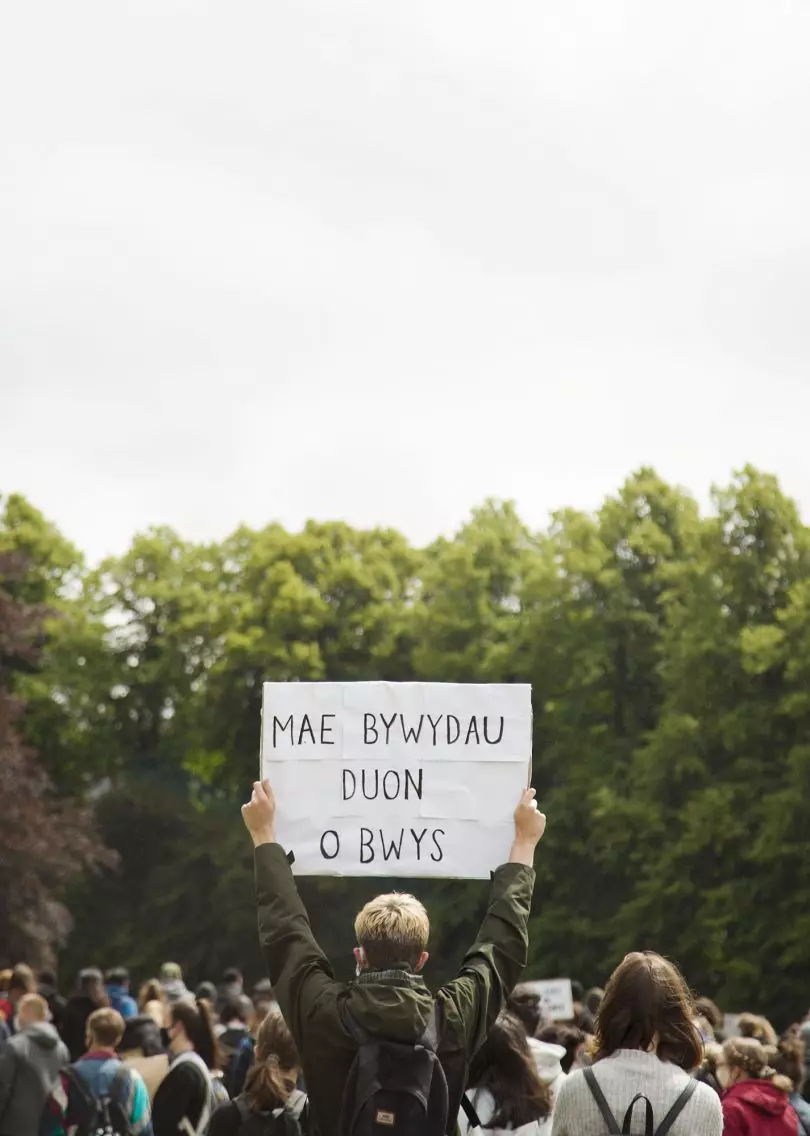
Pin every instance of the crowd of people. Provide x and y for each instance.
(382, 1054)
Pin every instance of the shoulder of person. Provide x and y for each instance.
(226, 1119)
(707, 1100)
(572, 1084)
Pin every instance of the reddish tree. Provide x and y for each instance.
(44, 841)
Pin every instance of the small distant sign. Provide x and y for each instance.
(556, 997)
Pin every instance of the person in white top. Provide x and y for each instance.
(525, 1005)
(646, 1046)
(506, 1092)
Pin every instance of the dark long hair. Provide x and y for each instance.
(504, 1066)
(90, 984)
(647, 999)
(196, 1021)
(274, 1076)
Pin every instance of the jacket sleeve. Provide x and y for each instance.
(735, 1122)
(296, 965)
(493, 964)
(140, 1114)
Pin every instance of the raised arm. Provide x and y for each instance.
(494, 963)
(296, 965)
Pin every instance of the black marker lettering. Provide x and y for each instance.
(435, 725)
(306, 725)
(418, 840)
(453, 718)
(348, 773)
(472, 729)
(388, 726)
(326, 730)
(410, 734)
(495, 741)
(283, 726)
(417, 785)
(433, 855)
(394, 849)
(366, 837)
(390, 796)
(324, 853)
(376, 793)
(370, 727)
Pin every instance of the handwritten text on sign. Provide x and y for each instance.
(407, 779)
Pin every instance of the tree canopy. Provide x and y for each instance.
(669, 656)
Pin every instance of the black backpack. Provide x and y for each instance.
(394, 1089)
(287, 1121)
(101, 1116)
(649, 1122)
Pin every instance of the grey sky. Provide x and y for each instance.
(380, 260)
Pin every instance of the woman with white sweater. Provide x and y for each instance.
(646, 1047)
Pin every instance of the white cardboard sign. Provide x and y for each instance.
(556, 996)
(396, 779)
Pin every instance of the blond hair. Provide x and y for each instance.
(34, 1007)
(750, 1057)
(106, 1028)
(392, 929)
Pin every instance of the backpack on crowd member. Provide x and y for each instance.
(102, 1115)
(394, 1088)
(649, 1121)
(288, 1120)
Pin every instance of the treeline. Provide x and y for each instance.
(669, 656)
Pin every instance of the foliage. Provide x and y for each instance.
(44, 841)
(669, 656)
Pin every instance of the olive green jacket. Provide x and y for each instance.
(395, 1005)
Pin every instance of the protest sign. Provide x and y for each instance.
(556, 996)
(396, 779)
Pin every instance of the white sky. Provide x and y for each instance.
(380, 260)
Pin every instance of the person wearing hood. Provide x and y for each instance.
(390, 999)
(755, 1101)
(175, 989)
(30, 1064)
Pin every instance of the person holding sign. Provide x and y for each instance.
(389, 1008)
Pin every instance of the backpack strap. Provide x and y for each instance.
(677, 1108)
(602, 1104)
(468, 1108)
(242, 1106)
(80, 1085)
(649, 1120)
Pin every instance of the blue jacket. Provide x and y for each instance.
(123, 1002)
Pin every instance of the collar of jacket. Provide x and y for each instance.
(395, 976)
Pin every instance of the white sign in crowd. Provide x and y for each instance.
(396, 779)
(556, 997)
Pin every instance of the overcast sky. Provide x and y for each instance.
(380, 260)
